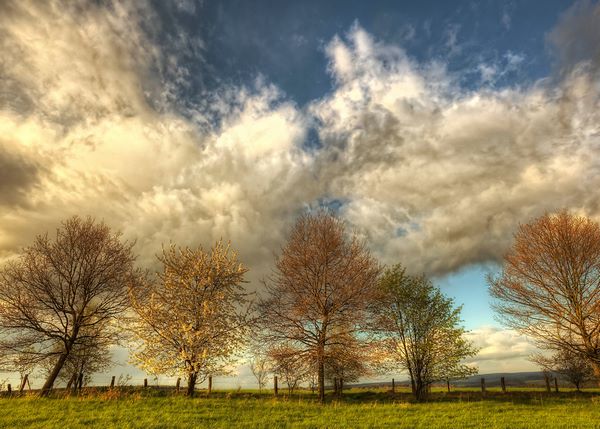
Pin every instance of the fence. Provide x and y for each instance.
(77, 383)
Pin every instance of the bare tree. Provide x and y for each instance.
(261, 365)
(60, 293)
(319, 291)
(420, 330)
(572, 366)
(87, 358)
(549, 288)
(194, 316)
(25, 366)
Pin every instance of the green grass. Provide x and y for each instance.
(358, 409)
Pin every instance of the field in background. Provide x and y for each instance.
(361, 408)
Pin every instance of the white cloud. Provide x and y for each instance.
(92, 140)
(406, 145)
(501, 350)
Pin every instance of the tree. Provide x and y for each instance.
(549, 288)
(319, 290)
(83, 361)
(572, 366)
(194, 315)
(291, 366)
(261, 365)
(60, 294)
(420, 330)
(86, 359)
(346, 364)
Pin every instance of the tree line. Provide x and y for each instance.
(329, 311)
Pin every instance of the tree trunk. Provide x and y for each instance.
(191, 384)
(80, 382)
(70, 383)
(321, 376)
(47, 387)
(420, 391)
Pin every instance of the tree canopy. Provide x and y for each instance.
(194, 315)
(318, 295)
(60, 295)
(549, 288)
(419, 330)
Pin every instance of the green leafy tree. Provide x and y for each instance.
(419, 330)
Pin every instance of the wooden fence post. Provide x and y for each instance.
(177, 384)
(9, 389)
(503, 384)
(393, 386)
(112, 382)
(275, 385)
(556, 384)
(547, 380)
(482, 385)
(209, 384)
(25, 380)
(145, 382)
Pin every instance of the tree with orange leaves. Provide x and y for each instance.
(319, 293)
(549, 288)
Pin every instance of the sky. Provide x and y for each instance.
(433, 128)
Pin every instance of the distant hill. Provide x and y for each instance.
(535, 378)
(515, 379)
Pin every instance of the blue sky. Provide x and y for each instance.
(284, 42)
(432, 128)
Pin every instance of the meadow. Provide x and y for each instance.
(359, 408)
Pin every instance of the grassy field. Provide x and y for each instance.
(358, 409)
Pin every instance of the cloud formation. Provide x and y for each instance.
(501, 350)
(437, 175)
(433, 173)
(88, 127)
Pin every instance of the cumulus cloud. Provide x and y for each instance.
(501, 350)
(88, 127)
(18, 175)
(437, 175)
(432, 173)
(575, 41)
